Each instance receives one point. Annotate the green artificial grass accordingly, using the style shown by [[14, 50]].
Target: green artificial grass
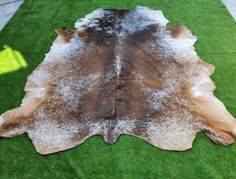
[[31, 32]]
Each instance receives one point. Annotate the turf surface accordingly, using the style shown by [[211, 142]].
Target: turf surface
[[31, 32]]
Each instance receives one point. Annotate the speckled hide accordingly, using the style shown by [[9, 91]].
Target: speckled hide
[[120, 72]]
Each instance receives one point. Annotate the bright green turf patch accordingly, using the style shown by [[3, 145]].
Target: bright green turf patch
[[11, 60], [31, 32]]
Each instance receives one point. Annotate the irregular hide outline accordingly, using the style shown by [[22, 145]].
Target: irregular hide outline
[[120, 72]]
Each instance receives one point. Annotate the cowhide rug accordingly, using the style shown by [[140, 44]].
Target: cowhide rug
[[120, 72]]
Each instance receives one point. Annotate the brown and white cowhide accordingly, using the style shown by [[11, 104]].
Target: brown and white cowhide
[[120, 72]]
